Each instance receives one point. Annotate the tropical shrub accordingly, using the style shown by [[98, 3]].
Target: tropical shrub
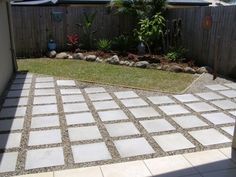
[[73, 41], [104, 45], [176, 54]]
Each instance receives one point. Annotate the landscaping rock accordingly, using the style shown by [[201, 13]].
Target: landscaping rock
[[133, 57], [52, 54], [113, 60], [62, 55], [70, 57], [90, 58], [127, 63], [122, 62], [131, 63], [189, 70], [149, 58], [165, 67], [204, 69], [152, 66], [79, 56], [141, 64], [99, 60], [175, 68]]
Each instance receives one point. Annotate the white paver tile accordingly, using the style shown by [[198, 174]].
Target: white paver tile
[[134, 102], [8, 161], [209, 137], [45, 174], [11, 124], [127, 169], [15, 102], [207, 161], [49, 157], [103, 105], [45, 100], [44, 92], [45, 109], [10, 140], [13, 112], [189, 121], [75, 107], [159, 125], [170, 166], [201, 107], [144, 112], [186, 98], [225, 104], [126, 94], [84, 133], [229, 93], [128, 147], [218, 118], [112, 115], [229, 130], [221, 173], [174, 109], [20, 86], [44, 79], [209, 96], [90, 152], [70, 91], [233, 113], [72, 98], [161, 100], [79, 118], [217, 87], [99, 96], [95, 90], [23, 81], [172, 142], [44, 85], [43, 137], [66, 83], [121, 129], [79, 172], [228, 152], [45, 121], [17, 93], [231, 85]]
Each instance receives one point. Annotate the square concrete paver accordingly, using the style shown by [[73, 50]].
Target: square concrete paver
[[171, 166], [218, 118], [186, 98], [189, 121], [79, 118], [48, 157], [45, 121], [207, 161], [44, 92], [78, 172], [173, 142], [72, 98], [225, 104], [112, 115], [8, 161], [233, 113], [20, 86], [217, 87], [99, 96], [103, 105], [209, 96], [229, 130], [22, 81], [44, 85], [90, 152], [121, 129], [174, 109], [209, 137], [15, 102], [13, 112], [70, 91], [159, 125], [231, 85], [18, 93], [45, 109], [201, 107], [126, 94], [44, 79], [161, 100], [45, 100], [128, 147], [134, 102], [84, 133], [95, 90], [75, 107], [66, 83], [10, 140], [43, 137], [144, 112], [229, 93], [11, 124]]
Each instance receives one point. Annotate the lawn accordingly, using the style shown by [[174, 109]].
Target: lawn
[[149, 79]]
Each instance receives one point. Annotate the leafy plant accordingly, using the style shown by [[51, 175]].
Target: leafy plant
[[121, 43], [104, 44], [176, 54], [73, 41], [88, 32]]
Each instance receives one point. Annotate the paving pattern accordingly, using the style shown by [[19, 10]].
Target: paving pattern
[[48, 124]]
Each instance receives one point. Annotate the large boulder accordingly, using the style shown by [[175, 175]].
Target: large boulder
[[141, 64], [204, 69], [79, 56], [62, 55], [113, 60], [175, 68], [91, 58], [189, 70], [52, 54]]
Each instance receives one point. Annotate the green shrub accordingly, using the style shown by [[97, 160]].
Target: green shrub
[[104, 45], [122, 43], [176, 54]]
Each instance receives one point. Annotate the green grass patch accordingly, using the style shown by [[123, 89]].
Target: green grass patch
[[109, 74]]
